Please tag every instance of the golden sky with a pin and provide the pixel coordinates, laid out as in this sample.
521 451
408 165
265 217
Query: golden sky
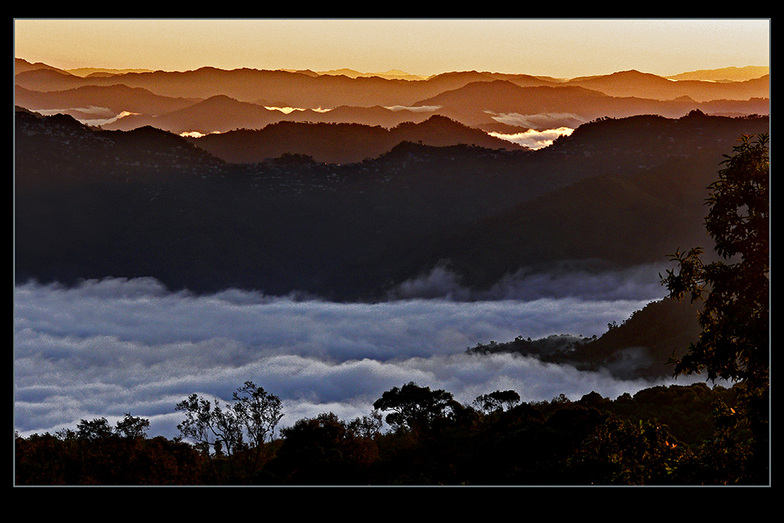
560 48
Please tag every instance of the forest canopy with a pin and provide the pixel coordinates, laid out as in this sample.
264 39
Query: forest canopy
659 436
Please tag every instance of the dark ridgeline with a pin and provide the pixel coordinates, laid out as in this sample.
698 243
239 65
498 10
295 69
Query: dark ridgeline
341 143
620 192
343 206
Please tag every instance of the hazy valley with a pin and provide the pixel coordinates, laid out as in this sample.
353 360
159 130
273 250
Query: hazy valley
210 100
236 190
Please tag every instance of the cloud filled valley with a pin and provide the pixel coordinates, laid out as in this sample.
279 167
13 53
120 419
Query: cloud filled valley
330 237
108 347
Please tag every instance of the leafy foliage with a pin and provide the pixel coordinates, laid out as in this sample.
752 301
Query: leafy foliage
100 457
734 340
237 430
498 400
679 435
416 408
90 204
662 435
735 291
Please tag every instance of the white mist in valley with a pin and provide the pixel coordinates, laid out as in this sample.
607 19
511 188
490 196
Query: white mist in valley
110 347
534 139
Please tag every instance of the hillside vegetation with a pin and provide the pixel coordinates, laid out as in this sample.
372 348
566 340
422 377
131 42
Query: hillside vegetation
93 204
659 436
354 187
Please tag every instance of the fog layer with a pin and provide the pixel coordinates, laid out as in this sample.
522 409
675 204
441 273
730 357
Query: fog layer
116 346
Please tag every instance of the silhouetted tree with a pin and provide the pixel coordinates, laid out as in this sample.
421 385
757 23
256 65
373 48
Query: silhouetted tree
620 452
631 440
497 400
95 429
132 427
323 450
239 427
415 408
258 411
734 342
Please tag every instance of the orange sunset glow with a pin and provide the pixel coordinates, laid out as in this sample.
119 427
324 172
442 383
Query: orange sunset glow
403 251
559 48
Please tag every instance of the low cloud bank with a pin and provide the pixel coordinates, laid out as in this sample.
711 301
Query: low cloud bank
534 139
90 115
569 280
541 130
540 121
414 108
109 347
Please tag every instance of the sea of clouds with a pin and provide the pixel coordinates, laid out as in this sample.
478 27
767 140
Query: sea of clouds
115 346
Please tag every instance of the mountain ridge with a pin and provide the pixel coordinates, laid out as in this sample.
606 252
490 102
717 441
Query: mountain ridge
303 90
748 72
637 348
499 102
340 142
151 203
724 74
117 98
478 104
647 85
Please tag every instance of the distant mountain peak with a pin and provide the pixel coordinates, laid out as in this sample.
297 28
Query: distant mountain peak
725 74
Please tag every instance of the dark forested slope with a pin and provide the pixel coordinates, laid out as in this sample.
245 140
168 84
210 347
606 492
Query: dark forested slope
93 204
340 142
638 347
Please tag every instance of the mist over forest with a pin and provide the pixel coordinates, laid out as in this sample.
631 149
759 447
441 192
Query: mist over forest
179 233
108 347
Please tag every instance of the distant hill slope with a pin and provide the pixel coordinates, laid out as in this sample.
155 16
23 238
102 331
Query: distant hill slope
479 104
646 85
57 152
92 203
642 344
725 74
340 142
310 90
116 98
638 193
639 347
219 113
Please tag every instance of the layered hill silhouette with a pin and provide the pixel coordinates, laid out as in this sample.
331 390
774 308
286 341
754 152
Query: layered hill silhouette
353 186
479 104
364 181
220 113
340 142
101 101
223 100
645 85
639 347
92 203
297 89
